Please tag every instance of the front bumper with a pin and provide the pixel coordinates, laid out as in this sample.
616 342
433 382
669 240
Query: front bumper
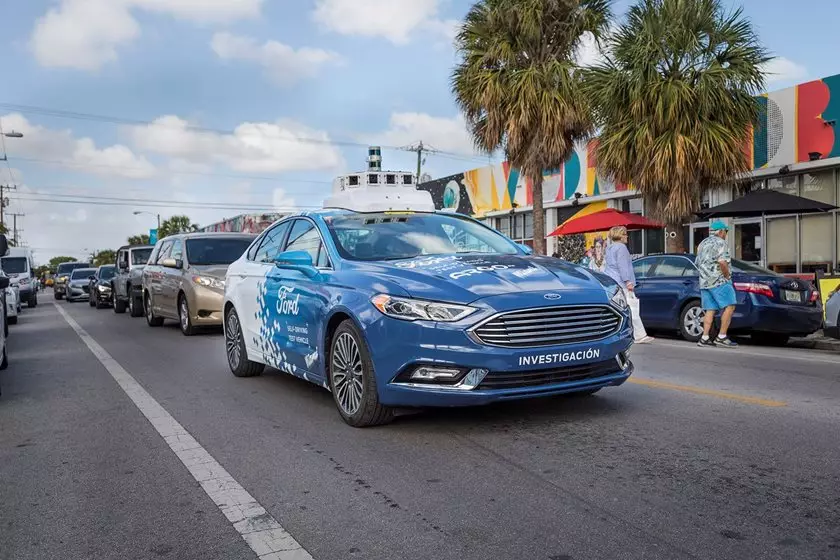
398 347
103 296
206 306
77 292
26 292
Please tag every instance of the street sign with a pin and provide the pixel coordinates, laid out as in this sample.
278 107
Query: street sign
152 236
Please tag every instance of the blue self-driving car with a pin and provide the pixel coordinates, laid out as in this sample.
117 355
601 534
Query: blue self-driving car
419 309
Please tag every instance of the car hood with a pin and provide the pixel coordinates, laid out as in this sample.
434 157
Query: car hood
214 270
80 282
469 277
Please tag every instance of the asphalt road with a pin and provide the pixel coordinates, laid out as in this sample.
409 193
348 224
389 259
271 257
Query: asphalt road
708 453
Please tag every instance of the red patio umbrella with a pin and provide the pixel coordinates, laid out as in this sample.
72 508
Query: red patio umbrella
604 220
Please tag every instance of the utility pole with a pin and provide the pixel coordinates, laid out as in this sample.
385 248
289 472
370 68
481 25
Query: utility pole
14 216
420 148
4 202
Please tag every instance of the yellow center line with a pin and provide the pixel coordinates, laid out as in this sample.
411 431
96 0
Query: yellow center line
707 392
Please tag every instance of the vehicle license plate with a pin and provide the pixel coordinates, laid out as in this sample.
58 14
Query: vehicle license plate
790 295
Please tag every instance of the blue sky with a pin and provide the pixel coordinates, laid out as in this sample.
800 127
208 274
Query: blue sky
358 71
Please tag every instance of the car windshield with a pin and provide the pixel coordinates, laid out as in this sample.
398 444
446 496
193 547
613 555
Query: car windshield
82 273
140 256
66 268
106 272
749 268
14 265
391 236
216 250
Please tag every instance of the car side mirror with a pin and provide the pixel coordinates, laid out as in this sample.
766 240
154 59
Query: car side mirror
525 248
4 282
296 260
170 263
4 245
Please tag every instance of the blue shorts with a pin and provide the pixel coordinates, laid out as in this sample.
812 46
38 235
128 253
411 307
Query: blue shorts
718 298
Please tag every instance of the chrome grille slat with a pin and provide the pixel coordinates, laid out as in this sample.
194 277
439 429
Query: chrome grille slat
548 326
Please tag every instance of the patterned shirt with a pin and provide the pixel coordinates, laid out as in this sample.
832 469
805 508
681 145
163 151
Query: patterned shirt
711 251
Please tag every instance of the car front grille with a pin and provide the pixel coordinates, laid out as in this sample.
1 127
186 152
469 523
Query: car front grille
549 326
518 379
86 288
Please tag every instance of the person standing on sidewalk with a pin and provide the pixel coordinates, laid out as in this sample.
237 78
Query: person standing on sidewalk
618 265
716 290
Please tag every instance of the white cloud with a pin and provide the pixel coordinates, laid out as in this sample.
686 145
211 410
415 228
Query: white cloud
253 147
86 34
281 63
50 144
394 20
445 134
782 70
589 52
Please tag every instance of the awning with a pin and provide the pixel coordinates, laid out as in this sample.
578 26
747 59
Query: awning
765 202
604 220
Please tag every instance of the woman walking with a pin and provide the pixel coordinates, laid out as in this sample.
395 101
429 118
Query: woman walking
619 267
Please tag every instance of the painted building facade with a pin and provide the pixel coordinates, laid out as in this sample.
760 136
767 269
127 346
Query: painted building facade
244 223
794 147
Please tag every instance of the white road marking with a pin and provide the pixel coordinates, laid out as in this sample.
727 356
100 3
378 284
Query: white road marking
786 354
261 531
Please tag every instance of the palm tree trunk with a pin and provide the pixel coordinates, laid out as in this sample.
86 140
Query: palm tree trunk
539 215
676 244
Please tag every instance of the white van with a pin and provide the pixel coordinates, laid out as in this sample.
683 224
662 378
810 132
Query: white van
19 265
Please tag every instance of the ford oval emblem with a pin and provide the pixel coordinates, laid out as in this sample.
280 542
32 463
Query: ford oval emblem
552 297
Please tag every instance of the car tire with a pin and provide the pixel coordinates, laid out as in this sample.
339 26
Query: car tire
184 321
58 296
691 321
135 306
4 363
92 300
12 320
770 339
119 305
237 355
352 379
100 304
33 302
6 328
151 319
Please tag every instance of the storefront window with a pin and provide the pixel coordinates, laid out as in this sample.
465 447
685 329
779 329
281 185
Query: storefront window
504 225
816 242
700 234
655 241
634 242
529 225
781 245
748 242
786 184
819 186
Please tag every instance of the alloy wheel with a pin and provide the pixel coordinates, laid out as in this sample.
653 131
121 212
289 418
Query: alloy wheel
184 315
232 343
693 321
347 374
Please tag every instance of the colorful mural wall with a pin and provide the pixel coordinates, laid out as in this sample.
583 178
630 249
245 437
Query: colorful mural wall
796 122
244 223
499 187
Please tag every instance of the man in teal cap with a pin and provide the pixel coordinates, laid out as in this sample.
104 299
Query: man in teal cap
716 290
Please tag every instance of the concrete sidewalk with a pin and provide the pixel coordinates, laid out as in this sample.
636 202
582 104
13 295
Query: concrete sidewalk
818 340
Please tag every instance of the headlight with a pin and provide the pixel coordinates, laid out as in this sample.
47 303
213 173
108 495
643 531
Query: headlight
409 309
209 282
616 295
102 288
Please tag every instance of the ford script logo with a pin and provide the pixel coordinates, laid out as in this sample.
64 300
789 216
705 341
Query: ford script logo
552 297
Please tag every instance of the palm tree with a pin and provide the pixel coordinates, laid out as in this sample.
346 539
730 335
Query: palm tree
176 224
675 100
519 87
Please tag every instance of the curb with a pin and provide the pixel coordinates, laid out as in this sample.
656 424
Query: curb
830 345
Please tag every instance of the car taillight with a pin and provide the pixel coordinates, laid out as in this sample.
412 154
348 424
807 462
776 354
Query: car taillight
754 288
815 296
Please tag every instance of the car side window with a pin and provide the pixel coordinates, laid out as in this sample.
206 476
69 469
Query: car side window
641 268
272 243
122 259
177 251
671 266
305 237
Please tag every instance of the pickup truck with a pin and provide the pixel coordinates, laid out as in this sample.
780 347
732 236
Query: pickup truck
127 285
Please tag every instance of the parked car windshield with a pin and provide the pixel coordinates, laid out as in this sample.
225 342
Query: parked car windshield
106 272
391 236
14 265
216 250
66 268
141 256
82 273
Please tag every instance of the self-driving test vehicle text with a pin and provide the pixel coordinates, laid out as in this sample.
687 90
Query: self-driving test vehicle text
390 304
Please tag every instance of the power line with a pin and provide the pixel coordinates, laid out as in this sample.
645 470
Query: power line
75 115
140 200
195 206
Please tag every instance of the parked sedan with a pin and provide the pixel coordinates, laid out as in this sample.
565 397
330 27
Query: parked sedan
78 286
184 279
770 307
832 314
99 286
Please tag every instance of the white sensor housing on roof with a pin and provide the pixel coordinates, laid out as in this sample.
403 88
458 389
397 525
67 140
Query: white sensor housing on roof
375 190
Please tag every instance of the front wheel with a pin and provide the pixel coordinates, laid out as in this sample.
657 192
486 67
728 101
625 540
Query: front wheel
58 295
135 306
5 361
187 328
691 321
92 300
237 355
352 379
151 319
13 320
116 302
33 301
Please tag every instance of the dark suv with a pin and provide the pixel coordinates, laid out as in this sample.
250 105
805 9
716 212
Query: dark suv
62 275
127 289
